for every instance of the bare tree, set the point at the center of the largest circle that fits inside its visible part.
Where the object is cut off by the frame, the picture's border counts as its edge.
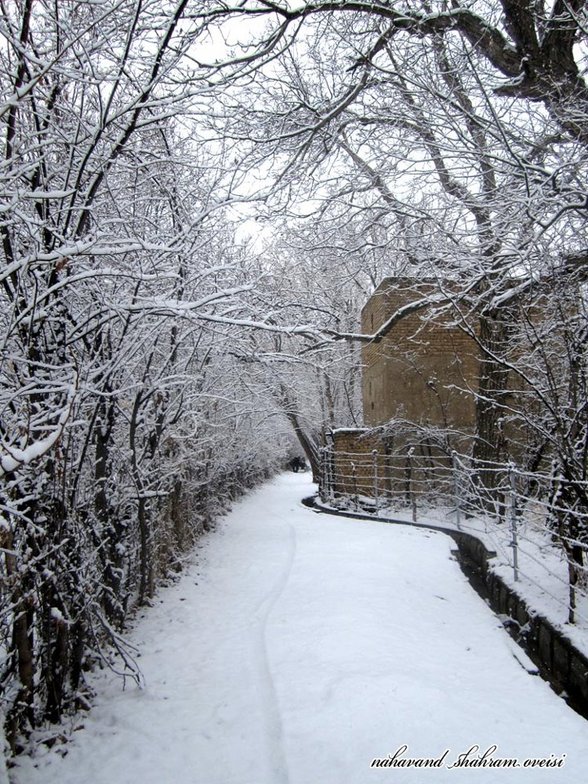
(463, 129)
(115, 271)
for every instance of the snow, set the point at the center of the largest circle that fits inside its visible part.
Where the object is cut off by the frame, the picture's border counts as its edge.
(17, 457)
(542, 567)
(297, 647)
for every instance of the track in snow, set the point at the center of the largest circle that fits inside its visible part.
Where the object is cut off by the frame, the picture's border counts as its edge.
(274, 730)
(298, 646)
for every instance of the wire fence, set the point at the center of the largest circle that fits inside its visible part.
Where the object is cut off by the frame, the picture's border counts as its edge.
(536, 521)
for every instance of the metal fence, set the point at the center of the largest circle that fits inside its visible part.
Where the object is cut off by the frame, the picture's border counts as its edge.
(537, 522)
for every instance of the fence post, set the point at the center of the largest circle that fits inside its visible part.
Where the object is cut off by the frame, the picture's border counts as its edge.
(326, 489)
(354, 482)
(410, 484)
(456, 490)
(376, 489)
(323, 475)
(513, 521)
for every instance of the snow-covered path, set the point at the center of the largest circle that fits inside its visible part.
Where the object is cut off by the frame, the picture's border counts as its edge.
(300, 646)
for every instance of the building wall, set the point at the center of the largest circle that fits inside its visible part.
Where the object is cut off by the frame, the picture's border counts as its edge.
(422, 370)
(357, 459)
(361, 464)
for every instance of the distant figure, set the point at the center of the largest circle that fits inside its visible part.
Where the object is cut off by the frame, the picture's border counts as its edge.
(297, 464)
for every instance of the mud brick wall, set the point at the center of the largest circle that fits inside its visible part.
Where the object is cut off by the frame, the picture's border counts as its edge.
(422, 370)
(354, 463)
(364, 464)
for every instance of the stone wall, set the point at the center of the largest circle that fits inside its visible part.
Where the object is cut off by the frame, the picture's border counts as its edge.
(558, 660)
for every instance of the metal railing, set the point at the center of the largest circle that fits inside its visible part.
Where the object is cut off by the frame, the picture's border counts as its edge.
(536, 521)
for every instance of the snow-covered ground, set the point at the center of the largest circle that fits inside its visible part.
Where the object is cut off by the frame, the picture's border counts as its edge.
(297, 647)
(542, 571)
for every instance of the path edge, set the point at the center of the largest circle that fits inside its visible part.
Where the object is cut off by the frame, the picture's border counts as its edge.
(558, 660)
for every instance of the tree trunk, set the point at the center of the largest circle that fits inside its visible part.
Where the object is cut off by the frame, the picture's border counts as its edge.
(489, 443)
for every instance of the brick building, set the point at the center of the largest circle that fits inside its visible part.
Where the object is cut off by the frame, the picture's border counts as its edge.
(419, 373)
(425, 380)
(422, 371)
